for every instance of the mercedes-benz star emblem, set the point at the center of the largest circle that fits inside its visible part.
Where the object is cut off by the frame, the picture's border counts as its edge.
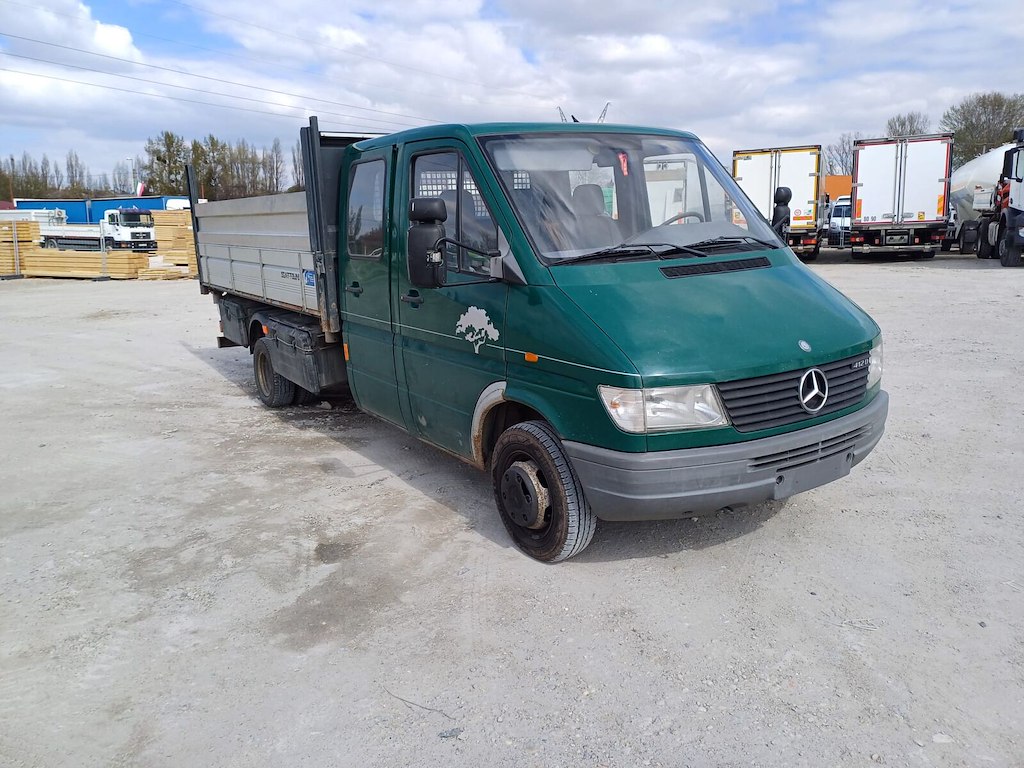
(813, 390)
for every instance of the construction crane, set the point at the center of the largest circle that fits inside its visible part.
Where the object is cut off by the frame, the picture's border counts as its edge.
(604, 113)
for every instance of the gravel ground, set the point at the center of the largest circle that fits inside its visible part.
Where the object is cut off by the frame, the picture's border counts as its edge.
(191, 579)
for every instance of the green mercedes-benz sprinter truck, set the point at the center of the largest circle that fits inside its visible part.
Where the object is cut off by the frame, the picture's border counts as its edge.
(594, 314)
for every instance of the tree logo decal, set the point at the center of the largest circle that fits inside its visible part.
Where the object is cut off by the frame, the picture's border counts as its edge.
(475, 327)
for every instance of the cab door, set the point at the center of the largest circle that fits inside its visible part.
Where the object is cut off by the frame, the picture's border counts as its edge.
(451, 338)
(366, 258)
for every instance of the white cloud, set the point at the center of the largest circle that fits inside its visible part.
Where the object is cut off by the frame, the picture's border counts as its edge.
(738, 73)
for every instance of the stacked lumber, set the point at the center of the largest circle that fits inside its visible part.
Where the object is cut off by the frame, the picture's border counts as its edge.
(164, 272)
(50, 262)
(175, 242)
(27, 233)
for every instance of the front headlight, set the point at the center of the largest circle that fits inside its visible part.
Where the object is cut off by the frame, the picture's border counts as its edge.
(663, 409)
(875, 364)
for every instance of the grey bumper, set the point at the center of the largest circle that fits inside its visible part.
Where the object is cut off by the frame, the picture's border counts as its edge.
(669, 484)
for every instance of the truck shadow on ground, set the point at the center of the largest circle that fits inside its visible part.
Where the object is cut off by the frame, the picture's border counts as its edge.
(433, 474)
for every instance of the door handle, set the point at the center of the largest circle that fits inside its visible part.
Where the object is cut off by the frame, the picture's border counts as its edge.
(412, 297)
(355, 289)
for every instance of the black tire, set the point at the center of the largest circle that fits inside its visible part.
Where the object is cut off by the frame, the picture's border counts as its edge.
(966, 247)
(539, 497)
(945, 245)
(304, 397)
(984, 248)
(50, 243)
(273, 389)
(1009, 252)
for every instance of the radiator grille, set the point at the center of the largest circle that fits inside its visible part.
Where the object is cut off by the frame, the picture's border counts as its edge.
(774, 401)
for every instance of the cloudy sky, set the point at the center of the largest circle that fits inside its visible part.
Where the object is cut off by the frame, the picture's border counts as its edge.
(101, 76)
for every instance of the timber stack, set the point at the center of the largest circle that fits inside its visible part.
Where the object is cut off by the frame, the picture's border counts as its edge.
(175, 242)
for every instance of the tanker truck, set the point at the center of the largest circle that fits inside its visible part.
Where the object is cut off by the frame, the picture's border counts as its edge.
(987, 204)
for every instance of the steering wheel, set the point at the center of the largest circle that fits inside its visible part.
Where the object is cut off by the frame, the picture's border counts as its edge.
(683, 215)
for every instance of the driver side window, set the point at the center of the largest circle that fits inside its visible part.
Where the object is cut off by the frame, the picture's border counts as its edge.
(445, 175)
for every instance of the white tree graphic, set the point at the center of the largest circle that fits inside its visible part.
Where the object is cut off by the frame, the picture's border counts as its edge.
(475, 327)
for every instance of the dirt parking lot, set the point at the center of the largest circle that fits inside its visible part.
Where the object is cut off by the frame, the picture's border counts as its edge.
(189, 578)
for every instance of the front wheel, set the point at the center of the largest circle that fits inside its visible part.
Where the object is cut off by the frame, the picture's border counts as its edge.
(1009, 252)
(273, 389)
(539, 497)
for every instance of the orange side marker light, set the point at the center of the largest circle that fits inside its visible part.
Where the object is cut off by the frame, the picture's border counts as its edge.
(345, 346)
(531, 357)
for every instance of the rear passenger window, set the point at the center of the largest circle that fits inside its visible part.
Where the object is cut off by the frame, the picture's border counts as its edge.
(365, 218)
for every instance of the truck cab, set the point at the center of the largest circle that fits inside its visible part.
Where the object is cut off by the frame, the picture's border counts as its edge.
(129, 228)
(595, 315)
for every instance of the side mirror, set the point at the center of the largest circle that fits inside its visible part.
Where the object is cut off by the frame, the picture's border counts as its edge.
(780, 216)
(425, 257)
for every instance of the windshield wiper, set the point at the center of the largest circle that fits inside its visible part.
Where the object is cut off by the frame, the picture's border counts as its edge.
(716, 242)
(635, 251)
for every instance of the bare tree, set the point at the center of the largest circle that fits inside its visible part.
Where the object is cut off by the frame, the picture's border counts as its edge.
(909, 124)
(839, 155)
(77, 172)
(981, 122)
(122, 178)
(298, 171)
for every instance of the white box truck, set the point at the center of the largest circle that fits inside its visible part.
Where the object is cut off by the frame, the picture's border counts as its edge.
(900, 194)
(760, 171)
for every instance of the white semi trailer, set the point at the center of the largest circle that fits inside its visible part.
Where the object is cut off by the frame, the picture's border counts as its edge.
(760, 171)
(120, 229)
(900, 194)
(987, 201)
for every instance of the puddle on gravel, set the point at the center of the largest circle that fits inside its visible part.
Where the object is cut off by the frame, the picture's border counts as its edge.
(330, 552)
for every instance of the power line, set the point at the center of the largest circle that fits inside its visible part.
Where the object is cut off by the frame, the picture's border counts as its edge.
(175, 98)
(277, 62)
(121, 76)
(207, 77)
(390, 63)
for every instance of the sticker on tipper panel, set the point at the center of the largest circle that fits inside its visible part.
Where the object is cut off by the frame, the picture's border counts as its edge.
(310, 278)
(475, 327)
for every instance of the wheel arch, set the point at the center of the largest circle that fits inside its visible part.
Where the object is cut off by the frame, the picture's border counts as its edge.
(494, 413)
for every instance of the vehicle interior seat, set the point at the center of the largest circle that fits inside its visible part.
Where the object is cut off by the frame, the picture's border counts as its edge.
(595, 228)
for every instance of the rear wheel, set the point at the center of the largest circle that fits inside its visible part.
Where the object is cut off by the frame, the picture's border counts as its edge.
(966, 247)
(945, 245)
(984, 247)
(304, 397)
(273, 389)
(539, 497)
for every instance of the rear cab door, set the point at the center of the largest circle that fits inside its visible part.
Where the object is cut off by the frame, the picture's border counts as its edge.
(366, 252)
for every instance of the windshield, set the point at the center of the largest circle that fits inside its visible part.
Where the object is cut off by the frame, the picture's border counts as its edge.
(136, 218)
(576, 194)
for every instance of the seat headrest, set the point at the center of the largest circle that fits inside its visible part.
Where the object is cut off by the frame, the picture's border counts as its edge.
(588, 200)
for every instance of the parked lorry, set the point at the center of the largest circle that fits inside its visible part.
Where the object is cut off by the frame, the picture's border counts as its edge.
(987, 204)
(760, 171)
(469, 284)
(900, 190)
(120, 229)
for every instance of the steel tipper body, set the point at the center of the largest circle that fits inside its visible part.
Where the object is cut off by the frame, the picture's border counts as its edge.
(900, 194)
(594, 314)
(760, 171)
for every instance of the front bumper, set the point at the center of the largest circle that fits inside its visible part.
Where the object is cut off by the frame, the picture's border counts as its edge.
(670, 484)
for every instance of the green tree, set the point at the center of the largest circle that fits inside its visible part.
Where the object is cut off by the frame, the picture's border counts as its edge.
(164, 168)
(981, 122)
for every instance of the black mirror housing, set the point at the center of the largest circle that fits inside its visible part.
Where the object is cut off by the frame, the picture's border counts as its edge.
(783, 195)
(425, 256)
